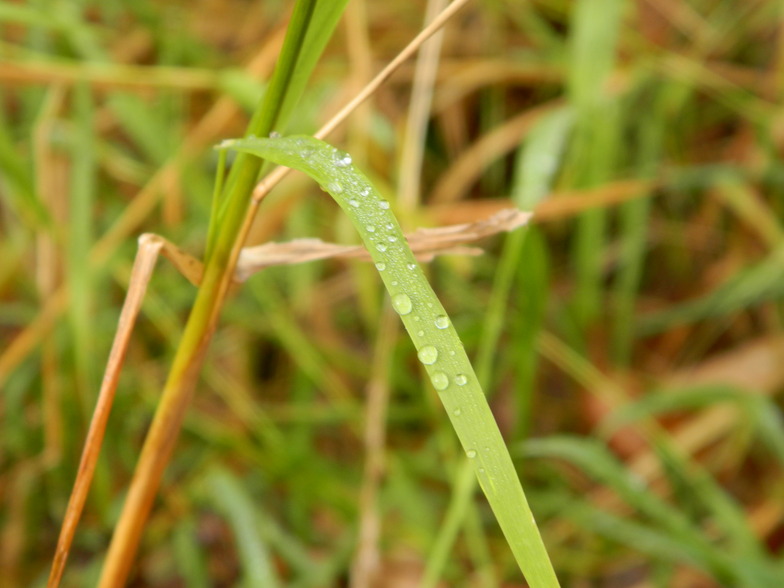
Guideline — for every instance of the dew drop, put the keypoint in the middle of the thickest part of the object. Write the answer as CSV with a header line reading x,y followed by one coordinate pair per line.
x,y
391,238
442,321
334,188
394,282
440,381
353,202
384,205
471,453
381,266
457,412
411,266
461,379
274,135
481,470
417,319
381,247
420,333
402,303
428,355
370,228
342,159
389,226
364,191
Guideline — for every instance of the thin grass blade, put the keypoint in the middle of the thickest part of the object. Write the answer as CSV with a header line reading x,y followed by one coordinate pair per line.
x,y
438,346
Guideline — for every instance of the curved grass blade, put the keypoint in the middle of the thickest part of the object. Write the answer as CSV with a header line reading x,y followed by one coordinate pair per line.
x,y
438,346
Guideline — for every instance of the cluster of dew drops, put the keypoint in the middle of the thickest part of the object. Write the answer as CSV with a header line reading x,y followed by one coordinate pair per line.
x,y
428,355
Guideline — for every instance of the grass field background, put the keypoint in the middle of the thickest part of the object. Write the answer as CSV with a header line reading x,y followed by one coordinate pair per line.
x,y
630,339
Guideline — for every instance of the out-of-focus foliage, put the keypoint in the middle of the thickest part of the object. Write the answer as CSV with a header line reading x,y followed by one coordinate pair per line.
x,y
630,338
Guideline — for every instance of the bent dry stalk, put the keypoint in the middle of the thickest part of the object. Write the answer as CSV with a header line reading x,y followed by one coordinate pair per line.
x,y
439,348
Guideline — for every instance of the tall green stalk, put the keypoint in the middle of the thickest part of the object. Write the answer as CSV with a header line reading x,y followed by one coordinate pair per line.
x,y
223,238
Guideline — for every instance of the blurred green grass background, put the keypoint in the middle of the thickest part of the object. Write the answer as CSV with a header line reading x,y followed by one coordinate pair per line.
x,y
631,337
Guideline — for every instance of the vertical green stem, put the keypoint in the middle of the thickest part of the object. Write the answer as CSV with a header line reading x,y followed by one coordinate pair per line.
x,y
165,428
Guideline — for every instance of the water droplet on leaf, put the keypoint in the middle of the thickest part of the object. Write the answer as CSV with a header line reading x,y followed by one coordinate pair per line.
x,y
440,381
428,355
442,321
402,303
342,159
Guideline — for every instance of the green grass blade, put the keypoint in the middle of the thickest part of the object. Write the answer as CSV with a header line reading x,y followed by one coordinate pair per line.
x,y
217,192
594,458
231,497
80,237
747,287
717,555
634,217
325,19
700,488
16,181
464,490
539,159
699,492
202,321
245,170
311,26
535,174
771,425
596,151
438,346
644,538
535,171
595,25
190,557
534,287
